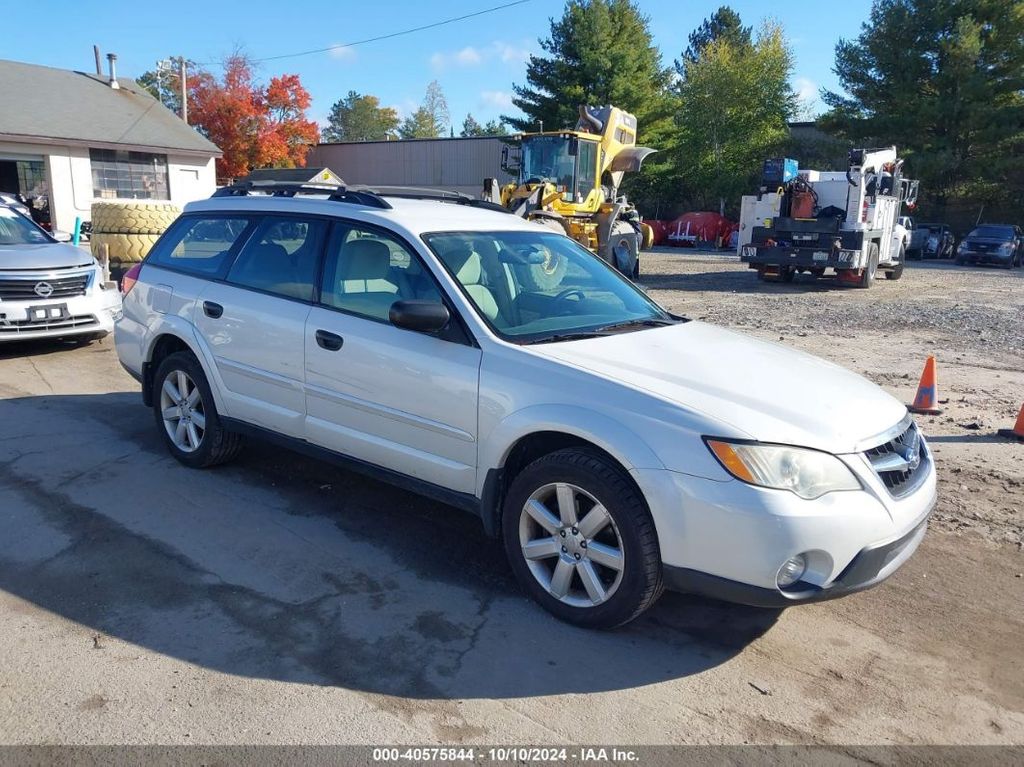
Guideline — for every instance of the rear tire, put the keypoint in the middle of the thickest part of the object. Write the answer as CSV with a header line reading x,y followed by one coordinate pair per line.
x,y
186,414
867,275
896,272
549,275
580,539
623,248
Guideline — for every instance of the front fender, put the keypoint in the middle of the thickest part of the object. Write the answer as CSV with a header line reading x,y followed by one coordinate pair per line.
x,y
612,436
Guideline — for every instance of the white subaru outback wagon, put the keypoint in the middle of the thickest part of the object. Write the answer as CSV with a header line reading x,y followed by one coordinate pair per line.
x,y
496,365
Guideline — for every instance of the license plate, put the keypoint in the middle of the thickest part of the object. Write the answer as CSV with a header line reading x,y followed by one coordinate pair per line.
x,y
47,313
820,255
805,236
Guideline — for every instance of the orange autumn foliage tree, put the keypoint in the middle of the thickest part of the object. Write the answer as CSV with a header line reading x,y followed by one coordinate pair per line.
x,y
254,126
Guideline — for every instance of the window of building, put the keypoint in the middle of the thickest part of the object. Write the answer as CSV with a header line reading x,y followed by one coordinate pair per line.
x,y
128,175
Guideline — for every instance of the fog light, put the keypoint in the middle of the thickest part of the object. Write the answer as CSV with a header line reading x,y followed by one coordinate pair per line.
x,y
791,571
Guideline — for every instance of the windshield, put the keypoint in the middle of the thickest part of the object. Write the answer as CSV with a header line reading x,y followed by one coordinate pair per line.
x,y
995,232
15,229
541,286
547,158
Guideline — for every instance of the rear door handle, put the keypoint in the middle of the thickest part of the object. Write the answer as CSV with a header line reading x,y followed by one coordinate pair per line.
x,y
329,341
212,310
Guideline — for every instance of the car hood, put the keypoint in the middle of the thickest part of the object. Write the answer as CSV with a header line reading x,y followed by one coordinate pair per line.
x,y
51,255
761,390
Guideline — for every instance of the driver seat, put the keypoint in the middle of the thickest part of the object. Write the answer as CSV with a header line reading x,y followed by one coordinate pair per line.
x,y
468,270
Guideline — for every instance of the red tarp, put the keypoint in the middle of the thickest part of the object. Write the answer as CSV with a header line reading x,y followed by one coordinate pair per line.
x,y
702,226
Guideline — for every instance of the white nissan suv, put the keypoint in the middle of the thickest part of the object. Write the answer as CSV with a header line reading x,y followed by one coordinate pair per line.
x,y
499,366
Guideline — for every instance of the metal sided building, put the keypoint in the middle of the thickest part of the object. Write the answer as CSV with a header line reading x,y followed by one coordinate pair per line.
x,y
457,164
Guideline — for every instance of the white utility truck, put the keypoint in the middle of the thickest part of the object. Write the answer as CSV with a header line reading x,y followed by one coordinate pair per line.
x,y
846,221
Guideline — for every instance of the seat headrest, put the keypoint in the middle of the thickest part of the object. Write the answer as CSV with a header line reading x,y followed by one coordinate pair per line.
x,y
366,259
464,263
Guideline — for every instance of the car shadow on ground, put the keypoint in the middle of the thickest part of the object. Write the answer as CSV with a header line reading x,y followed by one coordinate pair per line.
x,y
286,568
15,349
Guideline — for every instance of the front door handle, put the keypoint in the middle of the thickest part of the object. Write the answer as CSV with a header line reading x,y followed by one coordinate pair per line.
x,y
329,341
212,310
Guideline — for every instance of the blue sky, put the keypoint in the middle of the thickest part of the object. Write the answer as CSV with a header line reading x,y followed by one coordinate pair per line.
x,y
476,60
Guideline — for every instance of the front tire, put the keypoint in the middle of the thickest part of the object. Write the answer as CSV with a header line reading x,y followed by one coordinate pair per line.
x,y
580,539
186,414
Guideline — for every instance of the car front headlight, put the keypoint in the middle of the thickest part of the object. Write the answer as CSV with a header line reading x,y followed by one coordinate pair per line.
x,y
1006,248
807,473
961,247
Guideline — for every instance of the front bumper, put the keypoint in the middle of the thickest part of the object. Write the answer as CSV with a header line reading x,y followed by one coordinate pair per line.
x,y
728,539
92,314
872,565
991,257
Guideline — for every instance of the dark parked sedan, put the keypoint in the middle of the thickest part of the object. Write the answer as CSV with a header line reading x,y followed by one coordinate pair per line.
x,y
1000,244
932,241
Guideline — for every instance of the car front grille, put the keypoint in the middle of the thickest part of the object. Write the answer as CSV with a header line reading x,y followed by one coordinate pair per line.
x,y
901,462
18,327
35,288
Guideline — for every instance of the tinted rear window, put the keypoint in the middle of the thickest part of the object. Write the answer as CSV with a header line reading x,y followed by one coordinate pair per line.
x,y
200,244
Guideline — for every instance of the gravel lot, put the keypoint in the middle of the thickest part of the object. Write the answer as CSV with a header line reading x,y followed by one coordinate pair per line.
x,y
280,600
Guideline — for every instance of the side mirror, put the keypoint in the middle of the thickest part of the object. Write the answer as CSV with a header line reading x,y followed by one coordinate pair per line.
x,y
421,316
60,236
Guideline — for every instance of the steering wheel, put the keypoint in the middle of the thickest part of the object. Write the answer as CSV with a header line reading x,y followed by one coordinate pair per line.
x,y
566,294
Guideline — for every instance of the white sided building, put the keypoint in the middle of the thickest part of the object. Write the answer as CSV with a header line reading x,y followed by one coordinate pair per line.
x,y
78,137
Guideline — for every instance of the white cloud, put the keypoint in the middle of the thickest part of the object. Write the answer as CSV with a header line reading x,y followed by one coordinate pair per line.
x,y
342,53
471,56
466,57
496,99
512,54
806,89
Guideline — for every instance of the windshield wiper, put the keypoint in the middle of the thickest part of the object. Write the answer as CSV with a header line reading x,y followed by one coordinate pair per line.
x,y
635,324
575,336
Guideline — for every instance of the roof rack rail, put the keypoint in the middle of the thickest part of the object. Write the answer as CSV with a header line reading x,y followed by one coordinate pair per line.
x,y
334,192
426,193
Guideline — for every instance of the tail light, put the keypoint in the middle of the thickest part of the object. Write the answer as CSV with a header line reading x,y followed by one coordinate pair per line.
x,y
129,279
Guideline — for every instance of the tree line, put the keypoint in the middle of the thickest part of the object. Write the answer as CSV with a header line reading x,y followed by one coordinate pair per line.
x,y
944,81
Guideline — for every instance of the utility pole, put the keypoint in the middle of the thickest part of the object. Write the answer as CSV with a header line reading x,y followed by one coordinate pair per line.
x,y
184,89
166,67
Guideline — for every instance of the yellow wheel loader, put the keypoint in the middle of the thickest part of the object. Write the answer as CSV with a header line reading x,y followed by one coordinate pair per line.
x,y
569,181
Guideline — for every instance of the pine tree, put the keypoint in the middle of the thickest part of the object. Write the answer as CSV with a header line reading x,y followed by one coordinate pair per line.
x,y
360,118
599,52
950,96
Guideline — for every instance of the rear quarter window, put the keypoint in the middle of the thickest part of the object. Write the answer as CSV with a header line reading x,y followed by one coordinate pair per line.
x,y
200,245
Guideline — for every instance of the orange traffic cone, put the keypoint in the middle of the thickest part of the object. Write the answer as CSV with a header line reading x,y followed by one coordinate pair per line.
x,y
927,398
1017,432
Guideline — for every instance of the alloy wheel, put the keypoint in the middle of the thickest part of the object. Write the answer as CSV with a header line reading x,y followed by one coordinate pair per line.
x,y
181,406
571,545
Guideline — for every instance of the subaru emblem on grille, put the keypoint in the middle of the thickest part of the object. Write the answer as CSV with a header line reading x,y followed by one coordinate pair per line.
x,y
912,452
44,289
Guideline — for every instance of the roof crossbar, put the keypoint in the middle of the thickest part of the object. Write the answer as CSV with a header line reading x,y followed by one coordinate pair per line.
x,y
369,196
334,192
424,193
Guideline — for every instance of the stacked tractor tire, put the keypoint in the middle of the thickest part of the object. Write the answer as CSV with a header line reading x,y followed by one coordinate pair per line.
x,y
128,229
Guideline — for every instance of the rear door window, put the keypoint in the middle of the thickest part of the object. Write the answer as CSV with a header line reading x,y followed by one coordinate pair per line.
x,y
200,245
281,257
